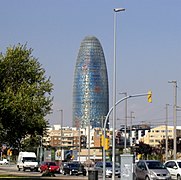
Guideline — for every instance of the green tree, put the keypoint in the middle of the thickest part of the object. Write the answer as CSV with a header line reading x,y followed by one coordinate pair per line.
x,y
25,96
144,149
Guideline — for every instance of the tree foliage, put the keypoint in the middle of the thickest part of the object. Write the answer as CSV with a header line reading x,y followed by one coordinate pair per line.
x,y
163,143
25,96
144,149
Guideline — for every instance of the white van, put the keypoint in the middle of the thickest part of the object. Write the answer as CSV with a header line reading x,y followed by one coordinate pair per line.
x,y
27,160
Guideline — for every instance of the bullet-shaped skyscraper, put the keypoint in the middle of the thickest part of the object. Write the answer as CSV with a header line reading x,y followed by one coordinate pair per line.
x,y
90,87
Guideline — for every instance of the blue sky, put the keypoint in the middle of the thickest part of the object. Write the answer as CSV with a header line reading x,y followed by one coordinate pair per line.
x,y
148,48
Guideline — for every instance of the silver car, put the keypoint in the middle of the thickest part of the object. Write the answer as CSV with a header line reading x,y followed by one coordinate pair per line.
x,y
99,167
151,170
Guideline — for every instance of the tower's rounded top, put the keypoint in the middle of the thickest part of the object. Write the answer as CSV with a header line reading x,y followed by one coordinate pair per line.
x,y
90,38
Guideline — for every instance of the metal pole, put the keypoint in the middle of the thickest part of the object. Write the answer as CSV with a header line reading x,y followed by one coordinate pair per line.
x,y
114,95
125,126
40,149
89,145
175,119
79,143
78,126
131,128
61,132
114,102
166,134
102,125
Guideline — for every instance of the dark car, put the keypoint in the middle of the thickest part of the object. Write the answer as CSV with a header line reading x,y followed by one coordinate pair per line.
x,y
51,166
151,170
73,169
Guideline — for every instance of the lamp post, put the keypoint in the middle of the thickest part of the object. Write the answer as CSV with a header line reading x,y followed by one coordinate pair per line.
x,y
78,126
125,125
40,146
131,125
89,145
116,10
175,119
61,124
166,134
79,142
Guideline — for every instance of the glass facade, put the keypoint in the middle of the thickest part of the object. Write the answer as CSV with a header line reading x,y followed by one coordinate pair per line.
x,y
90,88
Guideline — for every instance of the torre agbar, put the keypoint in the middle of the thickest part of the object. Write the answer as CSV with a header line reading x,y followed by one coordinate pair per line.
x,y
90,88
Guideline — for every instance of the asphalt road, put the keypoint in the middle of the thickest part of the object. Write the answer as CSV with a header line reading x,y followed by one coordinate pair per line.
x,y
12,170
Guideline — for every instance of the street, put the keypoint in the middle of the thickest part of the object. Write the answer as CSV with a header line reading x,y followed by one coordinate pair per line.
x,y
12,170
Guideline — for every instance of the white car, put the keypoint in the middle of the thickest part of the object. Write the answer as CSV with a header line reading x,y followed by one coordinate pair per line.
x,y
4,161
174,167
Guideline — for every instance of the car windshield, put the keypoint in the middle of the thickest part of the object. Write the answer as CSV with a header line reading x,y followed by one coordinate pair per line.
x,y
108,164
29,159
155,165
51,164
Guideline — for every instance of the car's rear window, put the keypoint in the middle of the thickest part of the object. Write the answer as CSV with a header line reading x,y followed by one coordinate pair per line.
x,y
51,163
74,165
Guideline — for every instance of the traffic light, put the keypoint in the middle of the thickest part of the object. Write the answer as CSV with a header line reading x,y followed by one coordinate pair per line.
x,y
83,141
102,140
149,96
106,143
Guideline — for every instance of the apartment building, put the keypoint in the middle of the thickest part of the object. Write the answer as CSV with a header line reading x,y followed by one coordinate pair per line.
x,y
157,134
68,137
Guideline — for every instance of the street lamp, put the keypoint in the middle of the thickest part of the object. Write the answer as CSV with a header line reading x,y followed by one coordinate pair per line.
x,y
40,151
125,125
131,127
114,93
166,134
175,119
61,124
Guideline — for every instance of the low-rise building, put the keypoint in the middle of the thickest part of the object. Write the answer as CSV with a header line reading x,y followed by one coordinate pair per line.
x,y
157,134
